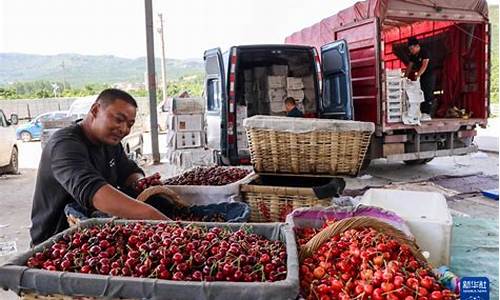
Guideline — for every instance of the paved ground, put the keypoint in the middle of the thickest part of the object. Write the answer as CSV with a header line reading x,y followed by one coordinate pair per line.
x,y
16,190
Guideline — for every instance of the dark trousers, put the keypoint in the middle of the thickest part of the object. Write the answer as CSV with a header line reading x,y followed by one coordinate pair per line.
x,y
427,84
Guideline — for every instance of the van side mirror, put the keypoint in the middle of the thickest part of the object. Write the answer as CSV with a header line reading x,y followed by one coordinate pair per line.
x,y
14,119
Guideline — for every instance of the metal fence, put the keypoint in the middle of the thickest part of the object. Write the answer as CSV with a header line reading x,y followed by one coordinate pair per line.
x,y
28,109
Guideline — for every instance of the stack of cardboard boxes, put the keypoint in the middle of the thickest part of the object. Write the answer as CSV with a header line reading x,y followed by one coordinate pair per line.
x,y
241,137
186,124
276,89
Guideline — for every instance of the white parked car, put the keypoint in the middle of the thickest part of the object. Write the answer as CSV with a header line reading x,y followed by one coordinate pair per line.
x,y
9,153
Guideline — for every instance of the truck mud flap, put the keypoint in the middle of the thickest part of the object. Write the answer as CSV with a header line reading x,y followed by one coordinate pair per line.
x,y
431,154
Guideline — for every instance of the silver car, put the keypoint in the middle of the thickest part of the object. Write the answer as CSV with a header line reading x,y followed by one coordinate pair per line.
x,y
9,154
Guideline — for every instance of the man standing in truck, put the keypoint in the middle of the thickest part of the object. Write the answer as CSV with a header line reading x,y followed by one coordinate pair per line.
x,y
420,67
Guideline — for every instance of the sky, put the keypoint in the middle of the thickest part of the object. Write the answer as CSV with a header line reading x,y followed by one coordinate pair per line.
x,y
117,27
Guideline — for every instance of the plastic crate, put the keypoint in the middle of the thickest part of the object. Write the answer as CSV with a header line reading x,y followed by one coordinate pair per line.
x,y
52,285
427,215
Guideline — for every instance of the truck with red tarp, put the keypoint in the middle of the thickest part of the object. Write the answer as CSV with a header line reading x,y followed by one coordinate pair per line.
x,y
456,33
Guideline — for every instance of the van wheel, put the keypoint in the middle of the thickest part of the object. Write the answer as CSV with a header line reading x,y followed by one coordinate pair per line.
x,y
415,162
13,167
26,136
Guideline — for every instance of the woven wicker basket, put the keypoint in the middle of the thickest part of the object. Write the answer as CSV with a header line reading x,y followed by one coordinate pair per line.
x,y
34,296
359,222
157,190
274,203
278,145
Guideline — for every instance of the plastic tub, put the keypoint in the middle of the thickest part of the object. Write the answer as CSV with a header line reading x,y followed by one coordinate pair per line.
x,y
426,214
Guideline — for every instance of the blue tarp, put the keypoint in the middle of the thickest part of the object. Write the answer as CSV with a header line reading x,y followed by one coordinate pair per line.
x,y
474,249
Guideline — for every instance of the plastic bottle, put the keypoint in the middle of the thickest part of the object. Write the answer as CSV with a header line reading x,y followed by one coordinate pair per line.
x,y
448,279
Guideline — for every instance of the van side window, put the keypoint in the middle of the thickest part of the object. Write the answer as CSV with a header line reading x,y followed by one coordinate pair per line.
x,y
213,95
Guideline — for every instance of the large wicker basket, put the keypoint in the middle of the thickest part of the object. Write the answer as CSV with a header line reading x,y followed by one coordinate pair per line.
x,y
360,222
272,203
307,146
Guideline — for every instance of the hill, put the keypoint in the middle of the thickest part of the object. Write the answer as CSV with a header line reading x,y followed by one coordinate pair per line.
x,y
79,70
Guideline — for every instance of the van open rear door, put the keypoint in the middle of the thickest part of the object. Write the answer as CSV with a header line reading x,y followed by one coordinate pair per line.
x,y
336,100
215,95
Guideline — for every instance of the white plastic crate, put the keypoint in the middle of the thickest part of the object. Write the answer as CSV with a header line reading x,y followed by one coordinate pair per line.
x,y
427,216
395,104
393,73
394,118
191,122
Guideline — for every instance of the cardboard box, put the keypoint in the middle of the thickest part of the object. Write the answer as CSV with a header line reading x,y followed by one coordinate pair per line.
x,y
181,106
186,122
276,95
259,72
189,139
279,70
277,107
276,82
294,83
296,94
248,74
249,87
308,82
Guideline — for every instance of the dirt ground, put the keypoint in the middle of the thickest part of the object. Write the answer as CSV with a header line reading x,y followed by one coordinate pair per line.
x,y
16,190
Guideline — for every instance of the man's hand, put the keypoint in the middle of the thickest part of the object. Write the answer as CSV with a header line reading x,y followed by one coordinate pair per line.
x,y
113,202
143,183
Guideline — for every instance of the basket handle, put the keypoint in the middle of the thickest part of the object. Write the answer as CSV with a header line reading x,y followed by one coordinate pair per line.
x,y
162,191
355,223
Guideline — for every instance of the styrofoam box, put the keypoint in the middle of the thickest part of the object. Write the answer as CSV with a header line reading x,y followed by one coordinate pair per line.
x,y
181,106
427,216
276,82
186,122
294,83
189,139
295,94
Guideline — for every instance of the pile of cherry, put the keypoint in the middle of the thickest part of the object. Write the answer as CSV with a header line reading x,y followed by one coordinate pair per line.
x,y
365,264
209,176
166,251
146,182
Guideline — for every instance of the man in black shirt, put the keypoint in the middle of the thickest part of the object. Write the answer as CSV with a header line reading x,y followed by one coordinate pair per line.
x,y
85,163
421,66
291,108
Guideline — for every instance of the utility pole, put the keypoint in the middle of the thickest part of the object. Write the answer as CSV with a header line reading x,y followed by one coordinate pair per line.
x,y
163,68
64,76
152,80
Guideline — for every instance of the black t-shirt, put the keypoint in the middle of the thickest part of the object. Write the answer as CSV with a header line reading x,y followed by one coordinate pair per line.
x,y
417,60
72,169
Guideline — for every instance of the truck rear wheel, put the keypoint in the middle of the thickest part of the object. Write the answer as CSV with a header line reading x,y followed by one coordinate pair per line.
x,y
415,162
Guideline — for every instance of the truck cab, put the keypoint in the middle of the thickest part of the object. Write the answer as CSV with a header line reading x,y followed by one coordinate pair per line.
x,y
240,83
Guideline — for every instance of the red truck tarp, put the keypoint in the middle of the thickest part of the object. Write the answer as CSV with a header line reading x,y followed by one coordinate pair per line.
x,y
400,19
392,13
